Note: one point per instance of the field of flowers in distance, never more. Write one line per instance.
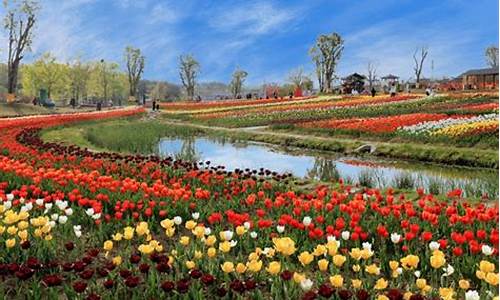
(81, 224)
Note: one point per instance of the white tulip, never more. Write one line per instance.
(21, 200)
(472, 295)
(233, 243)
(39, 202)
(253, 235)
(228, 235)
(52, 224)
(78, 233)
(395, 237)
(448, 271)
(208, 231)
(7, 205)
(195, 215)
(306, 284)
(487, 250)
(89, 212)
(345, 235)
(177, 220)
(246, 225)
(367, 246)
(417, 274)
(77, 227)
(10, 197)
(54, 217)
(68, 211)
(48, 206)
(96, 216)
(306, 221)
(63, 219)
(434, 246)
(399, 271)
(280, 228)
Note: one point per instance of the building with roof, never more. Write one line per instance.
(352, 82)
(480, 79)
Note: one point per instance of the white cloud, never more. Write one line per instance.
(256, 18)
(162, 13)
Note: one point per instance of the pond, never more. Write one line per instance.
(329, 167)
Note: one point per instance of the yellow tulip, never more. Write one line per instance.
(108, 245)
(146, 249)
(464, 284)
(240, 230)
(372, 269)
(12, 230)
(285, 245)
(492, 278)
(356, 268)
(305, 258)
(393, 265)
(117, 237)
(128, 233)
(184, 240)
(356, 253)
(254, 265)
(10, 243)
(323, 264)
(421, 283)
(240, 268)
(410, 261)
(190, 264)
(190, 225)
(339, 260)
(227, 267)
(198, 254)
(356, 283)
(117, 260)
(381, 284)
(437, 260)
(273, 268)
(486, 266)
(337, 281)
(446, 293)
(382, 297)
(225, 246)
(211, 252)
(210, 240)
(332, 247)
(298, 278)
(22, 225)
(319, 250)
(23, 234)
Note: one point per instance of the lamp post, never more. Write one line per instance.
(104, 79)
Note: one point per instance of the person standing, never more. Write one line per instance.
(154, 105)
(373, 91)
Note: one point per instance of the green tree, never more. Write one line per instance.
(326, 53)
(79, 76)
(18, 22)
(188, 71)
(236, 85)
(135, 67)
(45, 73)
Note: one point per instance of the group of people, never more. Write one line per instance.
(155, 106)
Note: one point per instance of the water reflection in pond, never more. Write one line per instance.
(329, 167)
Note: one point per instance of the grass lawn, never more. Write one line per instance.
(23, 109)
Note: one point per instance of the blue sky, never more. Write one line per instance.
(269, 38)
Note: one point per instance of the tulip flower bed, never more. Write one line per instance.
(376, 125)
(79, 224)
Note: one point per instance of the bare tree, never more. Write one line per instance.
(18, 22)
(491, 54)
(135, 68)
(372, 74)
(326, 54)
(297, 77)
(419, 59)
(189, 69)
(236, 84)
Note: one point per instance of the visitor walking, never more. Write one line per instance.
(154, 105)
(393, 90)
(373, 91)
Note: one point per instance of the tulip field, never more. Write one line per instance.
(81, 224)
